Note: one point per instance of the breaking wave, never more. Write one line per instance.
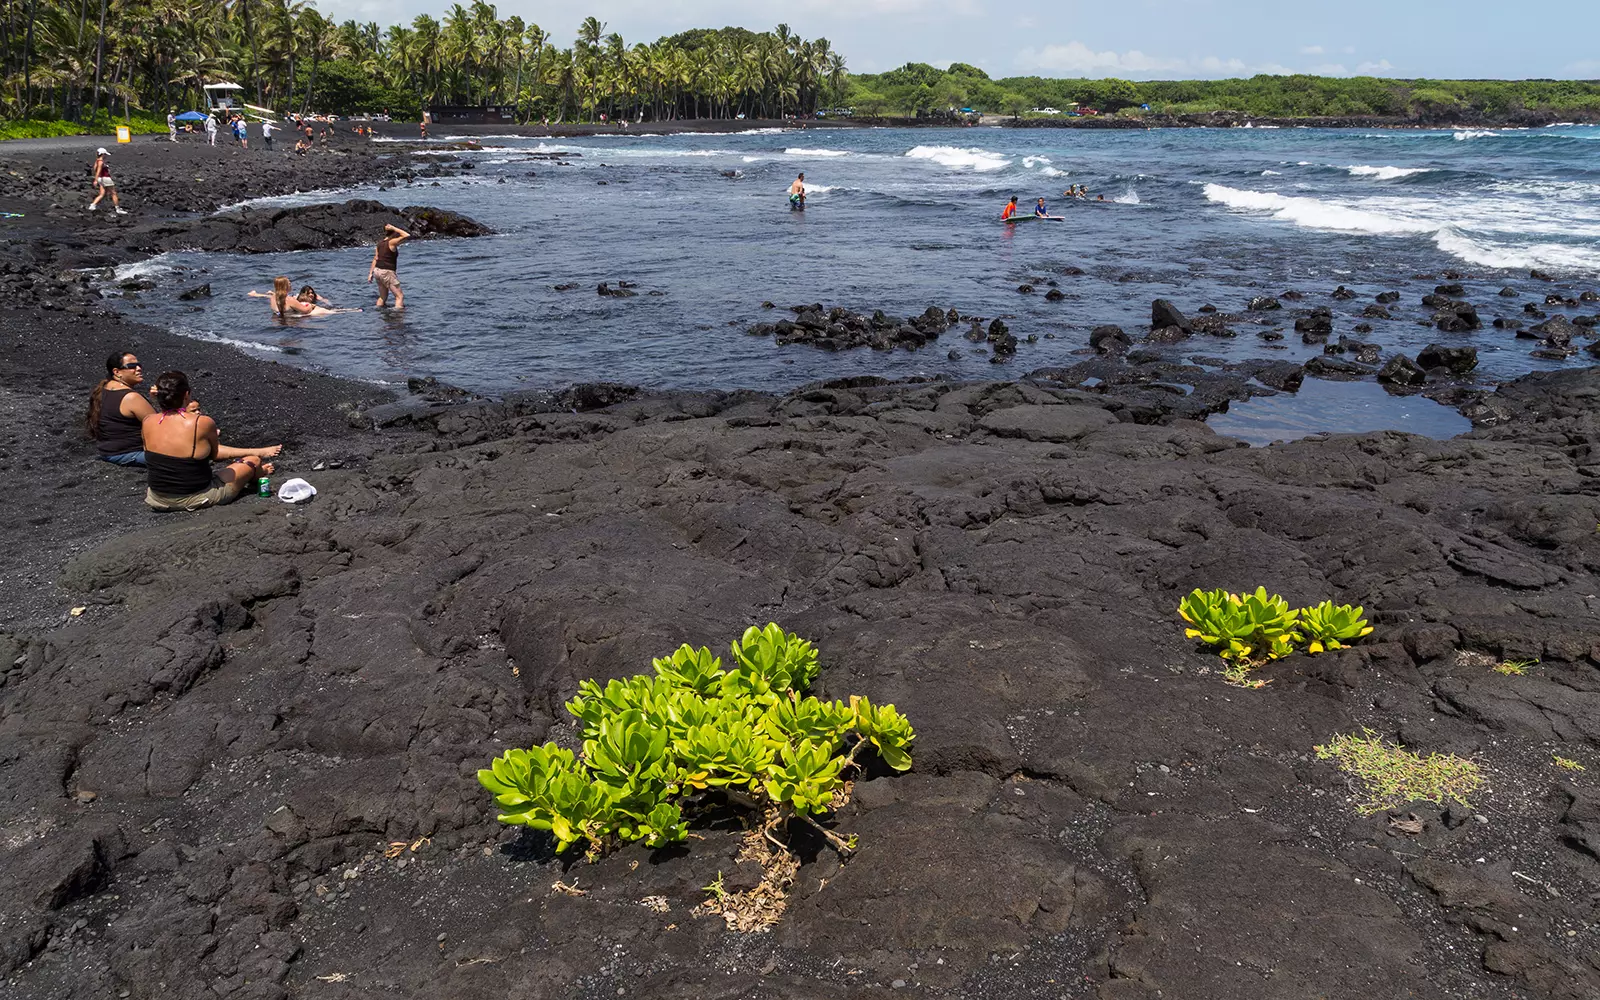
(955, 157)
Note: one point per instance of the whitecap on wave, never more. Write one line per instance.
(1386, 173)
(1473, 133)
(802, 151)
(958, 158)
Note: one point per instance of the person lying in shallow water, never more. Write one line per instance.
(306, 303)
(180, 443)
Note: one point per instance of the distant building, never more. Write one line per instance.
(466, 114)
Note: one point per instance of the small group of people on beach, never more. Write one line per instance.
(383, 271)
(170, 437)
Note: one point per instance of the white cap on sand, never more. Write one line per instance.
(296, 491)
(102, 151)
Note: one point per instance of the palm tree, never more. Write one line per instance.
(589, 46)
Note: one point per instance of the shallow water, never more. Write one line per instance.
(901, 219)
(1323, 405)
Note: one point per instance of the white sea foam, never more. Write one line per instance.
(815, 189)
(322, 196)
(1387, 173)
(1033, 161)
(1471, 133)
(754, 131)
(157, 265)
(802, 151)
(1509, 232)
(217, 338)
(1271, 173)
(1314, 214)
(1128, 197)
(1053, 172)
(973, 158)
(752, 159)
(1487, 253)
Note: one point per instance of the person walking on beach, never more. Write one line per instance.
(172, 125)
(385, 262)
(266, 133)
(211, 127)
(797, 194)
(104, 183)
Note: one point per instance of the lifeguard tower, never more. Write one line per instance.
(223, 99)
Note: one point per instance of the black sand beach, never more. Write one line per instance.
(245, 767)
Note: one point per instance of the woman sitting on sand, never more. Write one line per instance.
(286, 306)
(180, 443)
(116, 411)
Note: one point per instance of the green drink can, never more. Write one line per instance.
(266, 487)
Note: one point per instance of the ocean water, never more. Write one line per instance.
(900, 219)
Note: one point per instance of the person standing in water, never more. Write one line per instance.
(1007, 213)
(103, 182)
(797, 194)
(385, 262)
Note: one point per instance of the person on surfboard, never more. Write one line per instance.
(1040, 212)
(1010, 210)
(797, 194)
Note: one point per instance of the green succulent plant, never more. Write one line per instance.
(1327, 626)
(1239, 625)
(655, 746)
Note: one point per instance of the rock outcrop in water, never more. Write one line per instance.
(839, 329)
(308, 227)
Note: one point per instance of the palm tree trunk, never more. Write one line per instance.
(99, 59)
(255, 58)
(27, 58)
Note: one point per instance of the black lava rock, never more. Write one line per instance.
(1456, 360)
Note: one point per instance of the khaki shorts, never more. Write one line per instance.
(107, 182)
(387, 280)
(220, 493)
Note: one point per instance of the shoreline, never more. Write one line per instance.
(245, 768)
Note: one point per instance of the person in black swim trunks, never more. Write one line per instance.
(116, 410)
(180, 443)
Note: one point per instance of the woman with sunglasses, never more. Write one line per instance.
(116, 411)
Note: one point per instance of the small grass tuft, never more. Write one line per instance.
(1390, 775)
(1514, 668)
(1569, 765)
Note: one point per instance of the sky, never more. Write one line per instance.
(1134, 39)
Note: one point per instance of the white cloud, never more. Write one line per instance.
(1311, 50)
(1380, 68)
(1076, 57)
(1328, 69)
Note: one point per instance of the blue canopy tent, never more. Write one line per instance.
(190, 116)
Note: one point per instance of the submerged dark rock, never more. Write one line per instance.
(1455, 360)
(1401, 370)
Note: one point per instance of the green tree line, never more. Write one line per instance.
(86, 58)
(918, 88)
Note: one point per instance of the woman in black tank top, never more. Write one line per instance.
(116, 411)
(180, 443)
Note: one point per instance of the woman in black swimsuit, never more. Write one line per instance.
(116, 410)
(180, 443)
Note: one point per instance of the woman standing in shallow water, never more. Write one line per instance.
(180, 443)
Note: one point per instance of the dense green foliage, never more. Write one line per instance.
(656, 747)
(920, 88)
(72, 59)
(39, 128)
(1238, 625)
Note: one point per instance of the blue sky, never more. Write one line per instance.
(1138, 39)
